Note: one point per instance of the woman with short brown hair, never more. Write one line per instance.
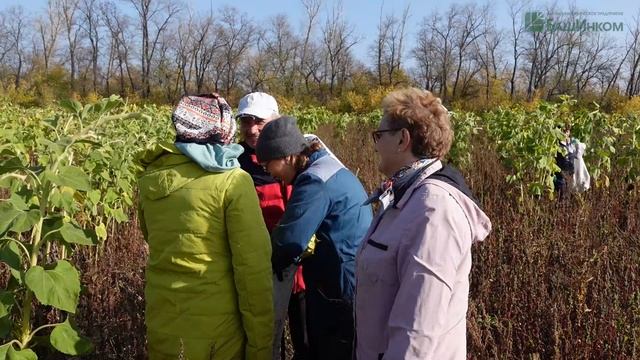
(413, 266)
(424, 116)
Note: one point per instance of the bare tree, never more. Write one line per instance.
(443, 30)
(542, 53)
(255, 72)
(154, 17)
(426, 56)
(388, 47)
(205, 45)
(598, 55)
(315, 65)
(307, 66)
(5, 44)
(397, 44)
(384, 28)
(611, 74)
(237, 34)
(15, 22)
(184, 55)
(469, 28)
(633, 45)
(48, 27)
(487, 50)
(119, 26)
(164, 74)
(280, 43)
(338, 37)
(69, 10)
(91, 24)
(517, 28)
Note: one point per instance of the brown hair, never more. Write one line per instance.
(300, 160)
(424, 116)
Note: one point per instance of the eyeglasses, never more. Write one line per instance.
(376, 135)
(250, 119)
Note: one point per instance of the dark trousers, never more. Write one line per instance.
(330, 325)
(561, 185)
(297, 326)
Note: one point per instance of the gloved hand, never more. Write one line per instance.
(278, 274)
(283, 256)
(279, 262)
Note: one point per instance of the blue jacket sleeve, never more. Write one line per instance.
(302, 217)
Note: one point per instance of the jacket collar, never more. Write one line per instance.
(317, 155)
(418, 182)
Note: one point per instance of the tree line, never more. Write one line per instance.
(157, 50)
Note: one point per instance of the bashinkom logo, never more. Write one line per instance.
(536, 21)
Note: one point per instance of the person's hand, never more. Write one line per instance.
(278, 264)
(278, 274)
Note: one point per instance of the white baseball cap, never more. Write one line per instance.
(258, 104)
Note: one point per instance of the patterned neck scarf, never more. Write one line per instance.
(392, 189)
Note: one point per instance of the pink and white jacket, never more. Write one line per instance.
(412, 274)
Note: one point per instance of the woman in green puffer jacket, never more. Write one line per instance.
(208, 278)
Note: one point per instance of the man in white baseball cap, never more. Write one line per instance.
(255, 110)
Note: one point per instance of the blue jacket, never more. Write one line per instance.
(326, 201)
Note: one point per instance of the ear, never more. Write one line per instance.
(289, 160)
(405, 141)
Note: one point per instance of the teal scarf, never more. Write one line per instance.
(212, 157)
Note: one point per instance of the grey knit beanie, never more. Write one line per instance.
(280, 138)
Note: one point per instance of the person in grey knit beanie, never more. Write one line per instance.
(280, 138)
(325, 203)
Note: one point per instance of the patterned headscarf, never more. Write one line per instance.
(204, 119)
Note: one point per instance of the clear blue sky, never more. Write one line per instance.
(364, 14)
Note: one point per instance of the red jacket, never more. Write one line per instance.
(273, 196)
